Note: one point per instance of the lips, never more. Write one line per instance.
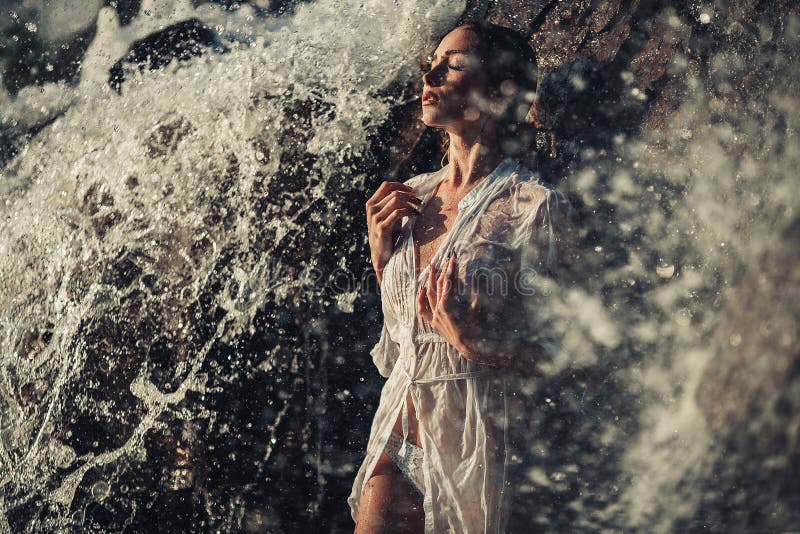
(429, 99)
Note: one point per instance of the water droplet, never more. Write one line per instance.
(665, 271)
(100, 490)
(735, 339)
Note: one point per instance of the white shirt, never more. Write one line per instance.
(505, 227)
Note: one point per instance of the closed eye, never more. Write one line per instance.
(426, 65)
(427, 62)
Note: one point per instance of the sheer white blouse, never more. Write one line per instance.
(505, 239)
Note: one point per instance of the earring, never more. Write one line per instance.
(443, 156)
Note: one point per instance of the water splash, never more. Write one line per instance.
(682, 405)
(143, 232)
(163, 252)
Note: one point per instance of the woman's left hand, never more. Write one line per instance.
(439, 305)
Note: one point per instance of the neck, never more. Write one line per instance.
(473, 154)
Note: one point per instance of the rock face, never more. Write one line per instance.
(181, 41)
(620, 70)
(268, 433)
(750, 397)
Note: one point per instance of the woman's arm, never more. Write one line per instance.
(513, 352)
(496, 327)
(466, 328)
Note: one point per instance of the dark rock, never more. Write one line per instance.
(524, 17)
(165, 137)
(181, 41)
(750, 394)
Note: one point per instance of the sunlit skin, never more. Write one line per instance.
(455, 98)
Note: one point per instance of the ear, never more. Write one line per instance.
(502, 106)
(497, 103)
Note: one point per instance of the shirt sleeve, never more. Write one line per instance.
(385, 352)
(544, 242)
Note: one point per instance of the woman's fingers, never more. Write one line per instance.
(393, 216)
(385, 189)
(449, 280)
(433, 297)
(439, 279)
(447, 283)
(422, 304)
(404, 206)
(431, 291)
(393, 200)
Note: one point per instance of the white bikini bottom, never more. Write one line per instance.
(410, 463)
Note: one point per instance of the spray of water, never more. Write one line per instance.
(153, 238)
(681, 410)
(141, 230)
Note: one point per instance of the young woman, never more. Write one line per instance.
(460, 254)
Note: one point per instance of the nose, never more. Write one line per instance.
(434, 76)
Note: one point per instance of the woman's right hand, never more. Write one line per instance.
(385, 209)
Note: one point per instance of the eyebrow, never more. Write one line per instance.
(450, 52)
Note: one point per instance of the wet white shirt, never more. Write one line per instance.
(505, 232)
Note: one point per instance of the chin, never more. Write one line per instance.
(429, 119)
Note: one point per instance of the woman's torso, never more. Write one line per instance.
(509, 205)
(429, 231)
(460, 403)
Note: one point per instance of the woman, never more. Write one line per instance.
(454, 251)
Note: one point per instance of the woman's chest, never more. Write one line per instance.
(484, 239)
(429, 232)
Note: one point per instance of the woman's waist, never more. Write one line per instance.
(424, 353)
(430, 362)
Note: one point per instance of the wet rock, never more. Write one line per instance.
(667, 35)
(750, 394)
(32, 392)
(35, 339)
(564, 31)
(759, 346)
(165, 137)
(122, 270)
(524, 17)
(181, 41)
(96, 197)
(132, 181)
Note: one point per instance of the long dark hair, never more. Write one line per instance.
(511, 68)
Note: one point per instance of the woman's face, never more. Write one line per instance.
(455, 88)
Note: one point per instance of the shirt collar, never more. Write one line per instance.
(504, 168)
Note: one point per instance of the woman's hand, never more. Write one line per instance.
(438, 305)
(385, 208)
(465, 326)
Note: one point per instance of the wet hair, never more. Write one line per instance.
(511, 68)
(506, 56)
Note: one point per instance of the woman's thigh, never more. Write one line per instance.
(388, 503)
